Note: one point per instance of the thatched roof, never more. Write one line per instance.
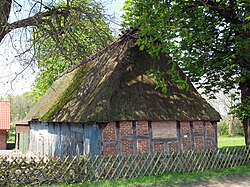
(112, 86)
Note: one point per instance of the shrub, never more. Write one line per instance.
(223, 128)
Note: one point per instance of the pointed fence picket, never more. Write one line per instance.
(31, 171)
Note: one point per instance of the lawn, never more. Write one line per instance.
(169, 178)
(179, 178)
(225, 141)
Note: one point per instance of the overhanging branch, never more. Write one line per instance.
(35, 20)
(228, 13)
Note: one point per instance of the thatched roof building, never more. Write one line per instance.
(113, 85)
(108, 105)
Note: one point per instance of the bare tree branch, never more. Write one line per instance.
(35, 20)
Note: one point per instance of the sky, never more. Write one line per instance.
(12, 81)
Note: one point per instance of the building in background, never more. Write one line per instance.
(4, 122)
(22, 136)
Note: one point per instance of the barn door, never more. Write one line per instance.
(41, 145)
(26, 142)
(77, 143)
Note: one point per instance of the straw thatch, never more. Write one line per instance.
(113, 86)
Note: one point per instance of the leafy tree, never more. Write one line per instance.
(51, 21)
(78, 36)
(20, 106)
(208, 39)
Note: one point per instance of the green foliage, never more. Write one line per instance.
(242, 109)
(238, 129)
(20, 106)
(79, 33)
(223, 128)
(209, 40)
(160, 78)
(11, 136)
(230, 125)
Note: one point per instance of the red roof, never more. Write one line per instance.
(4, 115)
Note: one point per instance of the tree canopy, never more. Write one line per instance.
(78, 36)
(59, 25)
(208, 39)
(20, 106)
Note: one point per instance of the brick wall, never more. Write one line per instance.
(109, 133)
(3, 139)
(185, 128)
(204, 135)
(143, 146)
(142, 128)
(159, 147)
(198, 135)
(211, 144)
(126, 128)
(185, 139)
(133, 137)
(109, 139)
(185, 144)
(127, 146)
(172, 147)
(109, 150)
(198, 143)
(198, 127)
(210, 131)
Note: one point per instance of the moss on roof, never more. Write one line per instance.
(113, 86)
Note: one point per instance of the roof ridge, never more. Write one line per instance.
(128, 35)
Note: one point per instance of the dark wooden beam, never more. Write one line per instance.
(118, 139)
(204, 134)
(150, 135)
(135, 151)
(192, 135)
(178, 126)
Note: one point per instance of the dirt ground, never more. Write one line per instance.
(14, 153)
(233, 181)
(4, 153)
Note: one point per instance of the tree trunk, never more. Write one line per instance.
(246, 125)
(231, 124)
(245, 92)
(5, 6)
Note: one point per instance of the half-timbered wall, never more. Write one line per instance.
(120, 137)
(142, 137)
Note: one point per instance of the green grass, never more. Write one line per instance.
(225, 141)
(170, 178)
(177, 178)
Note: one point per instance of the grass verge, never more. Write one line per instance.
(225, 141)
(169, 178)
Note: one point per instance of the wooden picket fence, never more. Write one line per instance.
(31, 171)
